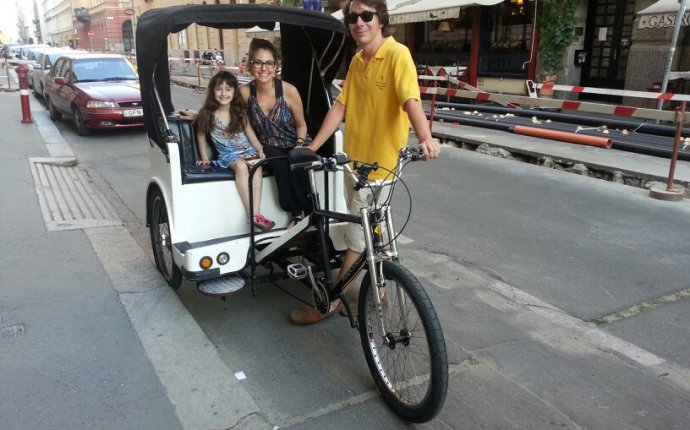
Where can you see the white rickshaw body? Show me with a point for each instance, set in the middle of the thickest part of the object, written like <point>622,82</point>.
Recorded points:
<point>195,214</point>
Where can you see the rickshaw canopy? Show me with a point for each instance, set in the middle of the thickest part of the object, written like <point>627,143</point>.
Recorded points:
<point>312,46</point>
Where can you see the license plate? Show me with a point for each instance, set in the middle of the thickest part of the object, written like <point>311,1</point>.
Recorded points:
<point>128,113</point>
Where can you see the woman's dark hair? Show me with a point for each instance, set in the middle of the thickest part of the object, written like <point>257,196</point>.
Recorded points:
<point>381,11</point>
<point>257,44</point>
<point>238,107</point>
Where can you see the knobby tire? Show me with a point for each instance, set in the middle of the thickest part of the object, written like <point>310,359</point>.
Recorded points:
<point>411,373</point>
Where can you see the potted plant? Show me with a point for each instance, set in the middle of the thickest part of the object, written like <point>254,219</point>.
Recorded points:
<point>556,24</point>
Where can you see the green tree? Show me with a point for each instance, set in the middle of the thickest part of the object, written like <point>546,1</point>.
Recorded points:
<point>556,21</point>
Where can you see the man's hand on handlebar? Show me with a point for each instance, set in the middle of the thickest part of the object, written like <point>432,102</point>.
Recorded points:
<point>430,148</point>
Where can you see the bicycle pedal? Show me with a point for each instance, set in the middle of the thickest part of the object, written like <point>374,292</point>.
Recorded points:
<point>297,271</point>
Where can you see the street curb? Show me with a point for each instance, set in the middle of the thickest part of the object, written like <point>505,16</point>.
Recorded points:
<point>202,389</point>
<point>564,163</point>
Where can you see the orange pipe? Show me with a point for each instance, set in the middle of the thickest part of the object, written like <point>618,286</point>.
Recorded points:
<point>599,142</point>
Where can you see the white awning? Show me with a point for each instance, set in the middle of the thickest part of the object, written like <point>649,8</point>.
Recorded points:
<point>408,11</point>
<point>662,6</point>
<point>261,33</point>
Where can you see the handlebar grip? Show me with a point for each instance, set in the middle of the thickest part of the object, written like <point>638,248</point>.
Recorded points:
<point>414,154</point>
<point>306,165</point>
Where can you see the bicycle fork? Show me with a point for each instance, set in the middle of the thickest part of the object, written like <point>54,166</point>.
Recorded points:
<point>376,255</point>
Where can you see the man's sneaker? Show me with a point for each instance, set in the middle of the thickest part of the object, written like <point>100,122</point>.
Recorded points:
<point>309,315</point>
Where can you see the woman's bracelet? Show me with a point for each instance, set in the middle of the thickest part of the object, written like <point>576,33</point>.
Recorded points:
<point>300,141</point>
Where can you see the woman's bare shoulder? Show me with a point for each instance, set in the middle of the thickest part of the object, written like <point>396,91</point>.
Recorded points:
<point>291,92</point>
<point>245,90</point>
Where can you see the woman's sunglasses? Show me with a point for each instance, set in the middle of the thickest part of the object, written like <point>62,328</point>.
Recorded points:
<point>366,16</point>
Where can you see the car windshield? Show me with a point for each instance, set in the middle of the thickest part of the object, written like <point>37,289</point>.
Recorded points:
<point>103,69</point>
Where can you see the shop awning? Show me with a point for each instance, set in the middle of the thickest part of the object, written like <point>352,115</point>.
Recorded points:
<point>262,33</point>
<point>662,6</point>
<point>663,13</point>
<point>408,11</point>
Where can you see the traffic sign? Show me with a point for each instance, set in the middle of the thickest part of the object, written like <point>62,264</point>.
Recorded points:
<point>90,33</point>
<point>129,11</point>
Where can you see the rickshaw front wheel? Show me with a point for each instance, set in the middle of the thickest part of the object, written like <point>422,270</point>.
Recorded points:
<point>161,243</point>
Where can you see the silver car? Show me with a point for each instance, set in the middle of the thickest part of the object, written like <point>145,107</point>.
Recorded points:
<point>41,68</point>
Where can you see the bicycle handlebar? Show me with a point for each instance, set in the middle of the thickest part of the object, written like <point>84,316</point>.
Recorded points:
<point>325,163</point>
<point>360,171</point>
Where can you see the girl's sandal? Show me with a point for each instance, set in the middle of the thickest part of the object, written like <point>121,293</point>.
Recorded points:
<point>263,223</point>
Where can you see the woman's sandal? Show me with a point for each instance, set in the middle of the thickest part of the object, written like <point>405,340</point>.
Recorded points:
<point>263,223</point>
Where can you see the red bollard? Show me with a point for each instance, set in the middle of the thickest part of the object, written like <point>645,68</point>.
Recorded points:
<point>23,75</point>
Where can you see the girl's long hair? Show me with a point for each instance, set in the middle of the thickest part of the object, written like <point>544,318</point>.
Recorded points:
<point>238,108</point>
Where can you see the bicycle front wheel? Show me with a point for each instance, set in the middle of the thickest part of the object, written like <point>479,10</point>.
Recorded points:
<point>408,361</point>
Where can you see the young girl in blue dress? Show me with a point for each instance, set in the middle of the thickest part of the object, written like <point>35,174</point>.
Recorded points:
<point>223,119</point>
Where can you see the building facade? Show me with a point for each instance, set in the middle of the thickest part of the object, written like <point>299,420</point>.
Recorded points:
<point>615,45</point>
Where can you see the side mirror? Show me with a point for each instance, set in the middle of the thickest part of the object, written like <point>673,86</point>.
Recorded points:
<point>37,66</point>
<point>60,80</point>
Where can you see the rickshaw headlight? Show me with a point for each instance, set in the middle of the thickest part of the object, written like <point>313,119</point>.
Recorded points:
<point>223,258</point>
<point>205,262</point>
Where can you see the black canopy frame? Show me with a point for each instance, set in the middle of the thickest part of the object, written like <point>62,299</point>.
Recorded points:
<point>312,45</point>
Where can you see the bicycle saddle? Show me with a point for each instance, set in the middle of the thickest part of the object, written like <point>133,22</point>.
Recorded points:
<point>303,155</point>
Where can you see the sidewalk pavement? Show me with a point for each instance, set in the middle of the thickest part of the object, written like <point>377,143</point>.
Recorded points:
<point>8,81</point>
<point>90,335</point>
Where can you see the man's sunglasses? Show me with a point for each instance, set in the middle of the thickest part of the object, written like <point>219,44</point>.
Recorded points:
<point>366,16</point>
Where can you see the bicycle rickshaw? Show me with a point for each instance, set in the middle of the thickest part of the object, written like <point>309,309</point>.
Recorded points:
<point>198,226</point>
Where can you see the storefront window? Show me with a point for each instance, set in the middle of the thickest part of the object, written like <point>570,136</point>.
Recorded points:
<point>444,43</point>
<point>506,39</point>
<point>511,26</point>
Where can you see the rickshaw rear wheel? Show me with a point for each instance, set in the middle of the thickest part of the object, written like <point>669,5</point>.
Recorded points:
<point>161,243</point>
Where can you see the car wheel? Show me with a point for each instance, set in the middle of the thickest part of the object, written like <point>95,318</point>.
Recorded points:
<point>82,129</point>
<point>52,112</point>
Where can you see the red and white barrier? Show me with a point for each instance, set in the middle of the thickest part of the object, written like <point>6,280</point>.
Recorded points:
<point>570,105</point>
<point>613,92</point>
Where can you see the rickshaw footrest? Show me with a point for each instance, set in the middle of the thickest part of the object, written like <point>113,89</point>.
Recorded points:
<point>223,285</point>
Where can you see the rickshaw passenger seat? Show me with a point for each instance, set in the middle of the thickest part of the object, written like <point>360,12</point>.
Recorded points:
<point>189,154</point>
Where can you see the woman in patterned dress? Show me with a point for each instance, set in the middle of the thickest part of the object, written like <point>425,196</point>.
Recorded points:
<point>277,116</point>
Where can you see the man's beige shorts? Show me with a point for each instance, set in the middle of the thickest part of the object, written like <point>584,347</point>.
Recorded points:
<point>354,235</point>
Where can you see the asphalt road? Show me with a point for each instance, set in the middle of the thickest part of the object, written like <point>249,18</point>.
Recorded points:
<point>518,260</point>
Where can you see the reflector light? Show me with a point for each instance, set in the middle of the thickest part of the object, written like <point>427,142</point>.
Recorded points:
<point>223,258</point>
<point>205,262</point>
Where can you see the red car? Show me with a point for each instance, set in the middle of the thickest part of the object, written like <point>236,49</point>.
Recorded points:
<point>98,91</point>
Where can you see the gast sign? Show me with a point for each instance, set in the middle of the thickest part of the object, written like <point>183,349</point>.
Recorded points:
<point>662,20</point>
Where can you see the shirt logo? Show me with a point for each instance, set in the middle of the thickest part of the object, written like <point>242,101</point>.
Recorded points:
<point>381,84</point>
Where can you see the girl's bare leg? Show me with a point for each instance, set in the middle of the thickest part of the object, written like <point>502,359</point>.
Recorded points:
<point>256,190</point>
<point>242,183</point>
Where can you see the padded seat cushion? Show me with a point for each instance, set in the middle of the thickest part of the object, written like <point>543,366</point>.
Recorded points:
<point>189,154</point>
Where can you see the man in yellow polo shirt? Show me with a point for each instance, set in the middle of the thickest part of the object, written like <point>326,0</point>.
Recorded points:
<point>378,102</point>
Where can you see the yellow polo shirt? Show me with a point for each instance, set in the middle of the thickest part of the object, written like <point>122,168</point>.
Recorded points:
<point>376,126</point>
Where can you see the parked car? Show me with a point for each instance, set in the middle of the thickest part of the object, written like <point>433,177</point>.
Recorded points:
<point>41,68</point>
<point>10,50</point>
<point>23,51</point>
<point>98,91</point>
